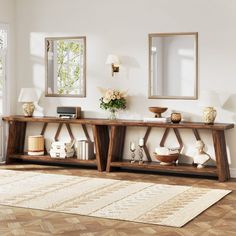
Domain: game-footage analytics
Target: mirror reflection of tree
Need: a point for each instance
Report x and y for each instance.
(69, 56)
(1, 75)
(65, 63)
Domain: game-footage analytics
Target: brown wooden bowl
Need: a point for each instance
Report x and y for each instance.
(157, 110)
(167, 159)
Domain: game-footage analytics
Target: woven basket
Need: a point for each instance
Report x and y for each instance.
(35, 144)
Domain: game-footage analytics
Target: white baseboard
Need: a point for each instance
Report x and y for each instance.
(232, 172)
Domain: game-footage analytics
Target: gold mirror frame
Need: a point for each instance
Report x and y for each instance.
(150, 95)
(83, 90)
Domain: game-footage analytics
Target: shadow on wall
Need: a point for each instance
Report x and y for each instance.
(129, 64)
(230, 105)
(135, 107)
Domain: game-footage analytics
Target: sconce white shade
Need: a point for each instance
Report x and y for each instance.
(28, 95)
(209, 99)
(112, 59)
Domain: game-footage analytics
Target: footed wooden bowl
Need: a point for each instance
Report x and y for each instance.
(157, 110)
(167, 160)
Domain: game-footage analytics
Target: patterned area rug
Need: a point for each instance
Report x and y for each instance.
(107, 198)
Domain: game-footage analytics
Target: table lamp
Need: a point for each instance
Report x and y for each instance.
(209, 100)
(28, 96)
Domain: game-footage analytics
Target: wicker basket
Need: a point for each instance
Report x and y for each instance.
(36, 145)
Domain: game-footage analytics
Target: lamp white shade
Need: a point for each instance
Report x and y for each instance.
(209, 99)
(112, 59)
(28, 95)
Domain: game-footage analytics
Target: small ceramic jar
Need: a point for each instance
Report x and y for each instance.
(175, 117)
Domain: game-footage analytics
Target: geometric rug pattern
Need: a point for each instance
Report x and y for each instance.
(170, 205)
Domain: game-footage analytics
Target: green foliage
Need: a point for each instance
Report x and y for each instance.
(113, 104)
(69, 55)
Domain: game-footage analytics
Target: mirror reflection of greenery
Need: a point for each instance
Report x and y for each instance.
(3, 39)
(1, 74)
(70, 62)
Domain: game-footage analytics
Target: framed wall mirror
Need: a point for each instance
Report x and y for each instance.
(65, 60)
(173, 65)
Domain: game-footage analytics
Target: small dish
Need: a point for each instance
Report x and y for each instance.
(157, 110)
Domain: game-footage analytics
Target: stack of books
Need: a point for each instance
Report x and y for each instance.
(157, 119)
(62, 150)
(85, 150)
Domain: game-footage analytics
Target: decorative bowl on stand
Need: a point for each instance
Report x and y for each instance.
(157, 110)
(167, 160)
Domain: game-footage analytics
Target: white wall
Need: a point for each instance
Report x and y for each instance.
(122, 27)
(7, 16)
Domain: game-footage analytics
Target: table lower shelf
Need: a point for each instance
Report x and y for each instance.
(49, 159)
(179, 168)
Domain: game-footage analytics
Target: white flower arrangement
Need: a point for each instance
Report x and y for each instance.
(112, 99)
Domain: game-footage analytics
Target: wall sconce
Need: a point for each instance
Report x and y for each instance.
(114, 61)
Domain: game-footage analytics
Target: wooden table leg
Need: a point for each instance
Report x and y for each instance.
(145, 146)
(16, 139)
(221, 155)
(116, 145)
(58, 131)
(101, 139)
(162, 143)
(196, 134)
(45, 125)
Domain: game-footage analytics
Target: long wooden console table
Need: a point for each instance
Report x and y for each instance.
(109, 138)
(16, 140)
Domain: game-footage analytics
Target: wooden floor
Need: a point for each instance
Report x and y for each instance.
(220, 219)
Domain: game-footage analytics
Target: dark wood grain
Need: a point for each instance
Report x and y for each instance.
(148, 131)
(70, 132)
(109, 150)
(48, 159)
(196, 134)
(110, 157)
(101, 139)
(164, 137)
(45, 125)
(16, 139)
(86, 133)
(181, 125)
(177, 134)
(116, 147)
(58, 131)
(221, 155)
(183, 169)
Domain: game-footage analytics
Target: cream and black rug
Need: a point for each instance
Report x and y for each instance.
(160, 204)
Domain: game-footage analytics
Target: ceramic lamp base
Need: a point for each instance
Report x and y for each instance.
(28, 109)
(209, 115)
